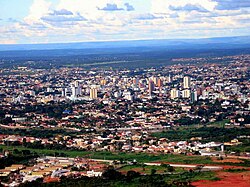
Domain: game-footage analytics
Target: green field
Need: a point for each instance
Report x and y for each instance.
(140, 157)
(147, 169)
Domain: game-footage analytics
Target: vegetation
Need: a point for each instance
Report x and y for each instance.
(236, 170)
(113, 178)
(164, 168)
(207, 133)
(140, 157)
(39, 133)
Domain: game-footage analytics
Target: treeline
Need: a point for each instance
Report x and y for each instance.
(113, 178)
(38, 133)
(22, 158)
(207, 133)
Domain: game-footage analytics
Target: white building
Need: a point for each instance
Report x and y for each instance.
(186, 82)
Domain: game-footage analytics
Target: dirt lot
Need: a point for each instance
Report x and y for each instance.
(240, 179)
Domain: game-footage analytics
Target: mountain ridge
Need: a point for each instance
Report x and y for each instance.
(220, 41)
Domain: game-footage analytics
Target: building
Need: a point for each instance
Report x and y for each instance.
(76, 89)
(93, 93)
(186, 93)
(194, 96)
(174, 93)
(159, 83)
(186, 82)
(136, 81)
(151, 86)
(169, 79)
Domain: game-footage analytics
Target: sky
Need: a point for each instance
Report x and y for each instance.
(63, 21)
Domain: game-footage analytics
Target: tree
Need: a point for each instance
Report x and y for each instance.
(199, 168)
(168, 167)
(132, 174)
(111, 174)
(153, 171)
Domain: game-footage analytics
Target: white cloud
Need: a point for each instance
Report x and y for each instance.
(81, 20)
(38, 9)
(162, 6)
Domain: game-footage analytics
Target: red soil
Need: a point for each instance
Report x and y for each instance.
(241, 179)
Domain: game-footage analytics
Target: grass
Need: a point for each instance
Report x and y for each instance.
(140, 157)
(220, 124)
(207, 133)
(208, 175)
(166, 180)
(146, 169)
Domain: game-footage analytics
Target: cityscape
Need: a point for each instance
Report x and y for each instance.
(117, 93)
(129, 111)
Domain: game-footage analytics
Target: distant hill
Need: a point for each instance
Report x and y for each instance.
(222, 42)
(120, 54)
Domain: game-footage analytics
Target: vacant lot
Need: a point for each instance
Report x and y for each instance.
(228, 179)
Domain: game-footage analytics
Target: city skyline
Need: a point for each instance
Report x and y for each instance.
(56, 21)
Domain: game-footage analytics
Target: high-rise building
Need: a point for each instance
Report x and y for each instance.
(77, 84)
(151, 86)
(136, 81)
(155, 80)
(194, 96)
(159, 83)
(76, 89)
(186, 82)
(64, 91)
(174, 93)
(93, 93)
(103, 82)
(169, 79)
(186, 93)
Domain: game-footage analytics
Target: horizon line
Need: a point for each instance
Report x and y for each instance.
(125, 40)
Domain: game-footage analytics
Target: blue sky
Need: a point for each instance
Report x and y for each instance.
(52, 21)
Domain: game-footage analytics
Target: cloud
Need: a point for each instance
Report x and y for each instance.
(82, 20)
(63, 18)
(111, 7)
(147, 17)
(12, 20)
(232, 4)
(61, 12)
(188, 8)
(38, 9)
(129, 7)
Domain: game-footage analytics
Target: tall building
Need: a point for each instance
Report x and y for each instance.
(151, 86)
(169, 79)
(186, 82)
(103, 82)
(186, 93)
(93, 93)
(64, 92)
(174, 93)
(159, 83)
(194, 96)
(155, 79)
(77, 84)
(76, 89)
(136, 81)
